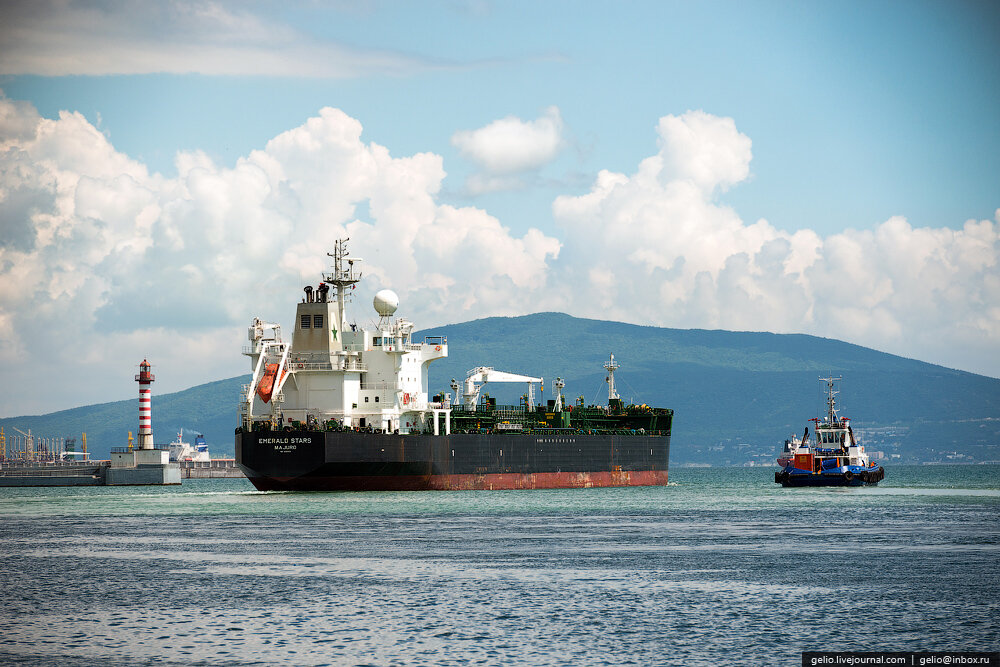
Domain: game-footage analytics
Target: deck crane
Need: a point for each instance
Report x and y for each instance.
(477, 378)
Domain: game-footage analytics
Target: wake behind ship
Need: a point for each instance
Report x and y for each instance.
(344, 408)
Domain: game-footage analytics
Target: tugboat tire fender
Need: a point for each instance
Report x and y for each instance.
(849, 476)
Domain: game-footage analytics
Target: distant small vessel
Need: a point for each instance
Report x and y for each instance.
(183, 451)
(835, 459)
(791, 445)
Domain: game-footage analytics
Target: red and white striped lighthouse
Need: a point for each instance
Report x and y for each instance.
(145, 378)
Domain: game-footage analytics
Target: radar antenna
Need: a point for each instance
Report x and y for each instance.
(559, 384)
(342, 278)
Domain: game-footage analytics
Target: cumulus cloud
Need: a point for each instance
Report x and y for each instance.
(507, 147)
(103, 263)
(668, 253)
(704, 149)
(59, 37)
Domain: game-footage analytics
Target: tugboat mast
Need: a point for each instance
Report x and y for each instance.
(831, 402)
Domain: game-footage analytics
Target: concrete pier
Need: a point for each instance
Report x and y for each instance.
(69, 473)
(141, 467)
(120, 471)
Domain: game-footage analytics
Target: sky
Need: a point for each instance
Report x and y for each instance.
(169, 170)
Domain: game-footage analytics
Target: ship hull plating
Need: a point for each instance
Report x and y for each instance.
(358, 461)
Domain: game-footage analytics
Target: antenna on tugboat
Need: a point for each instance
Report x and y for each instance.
(831, 402)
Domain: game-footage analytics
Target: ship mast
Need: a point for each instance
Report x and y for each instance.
(611, 366)
(342, 278)
(559, 384)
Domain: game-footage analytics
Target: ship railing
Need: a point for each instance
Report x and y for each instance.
(311, 365)
(379, 386)
(385, 389)
(49, 465)
(344, 365)
(70, 471)
(389, 347)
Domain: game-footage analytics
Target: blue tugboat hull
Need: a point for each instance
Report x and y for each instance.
(860, 477)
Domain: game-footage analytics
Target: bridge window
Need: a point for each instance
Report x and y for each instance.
(318, 321)
(305, 321)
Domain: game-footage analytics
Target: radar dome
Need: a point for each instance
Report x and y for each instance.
(386, 302)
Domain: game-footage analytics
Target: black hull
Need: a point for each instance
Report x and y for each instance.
(358, 461)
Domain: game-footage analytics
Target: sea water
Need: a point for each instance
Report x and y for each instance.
(720, 567)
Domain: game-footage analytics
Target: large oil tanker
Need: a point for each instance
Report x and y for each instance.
(343, 408)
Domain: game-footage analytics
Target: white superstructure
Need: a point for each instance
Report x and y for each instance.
(372, 379)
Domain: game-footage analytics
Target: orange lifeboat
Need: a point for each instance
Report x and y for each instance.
(266, 384)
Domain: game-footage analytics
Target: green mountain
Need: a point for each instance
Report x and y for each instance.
(736, 395)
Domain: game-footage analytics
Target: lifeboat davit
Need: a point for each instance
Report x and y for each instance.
(266, 384)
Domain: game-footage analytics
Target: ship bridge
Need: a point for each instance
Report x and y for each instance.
(336, 371)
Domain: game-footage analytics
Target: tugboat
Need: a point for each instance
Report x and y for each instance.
(791, 446)
(836, 459)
